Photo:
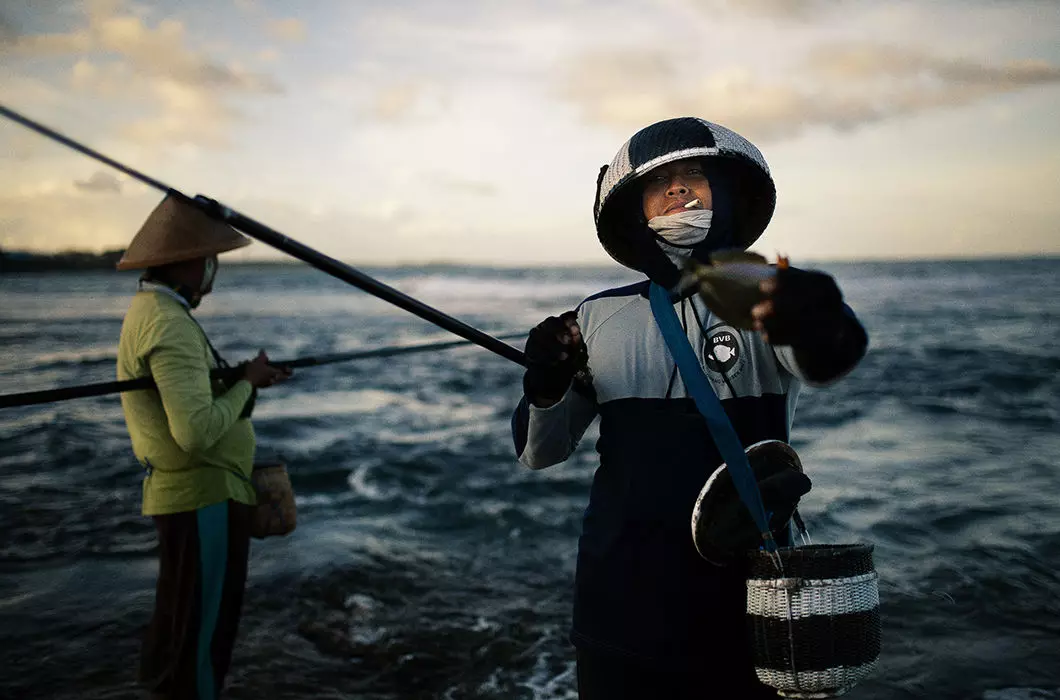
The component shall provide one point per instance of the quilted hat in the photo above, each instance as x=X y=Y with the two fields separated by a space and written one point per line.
x=175 y=231
x=617 y=209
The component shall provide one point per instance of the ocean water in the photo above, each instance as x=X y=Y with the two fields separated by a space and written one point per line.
x=428 y=564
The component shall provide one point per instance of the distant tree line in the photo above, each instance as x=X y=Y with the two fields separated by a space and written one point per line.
x=22 y=261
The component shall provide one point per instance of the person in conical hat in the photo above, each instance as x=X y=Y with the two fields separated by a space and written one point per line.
x=194 y=438
x=653 y=618
x=180 y=243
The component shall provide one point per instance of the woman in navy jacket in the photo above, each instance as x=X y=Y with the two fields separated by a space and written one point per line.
x=653 y=619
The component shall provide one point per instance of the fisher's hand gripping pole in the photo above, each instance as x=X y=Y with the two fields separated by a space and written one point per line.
x=290 y=246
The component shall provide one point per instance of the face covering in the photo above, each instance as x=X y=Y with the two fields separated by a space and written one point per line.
x=209 y=272
x=681 y=232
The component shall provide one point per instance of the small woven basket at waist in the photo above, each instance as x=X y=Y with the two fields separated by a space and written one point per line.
x=275 y=514
x=815 y=619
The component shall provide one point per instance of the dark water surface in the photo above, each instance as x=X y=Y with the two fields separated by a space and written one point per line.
x=429 y=564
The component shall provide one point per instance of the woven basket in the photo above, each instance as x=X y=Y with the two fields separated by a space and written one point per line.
x=275 y=515
x=815 y=622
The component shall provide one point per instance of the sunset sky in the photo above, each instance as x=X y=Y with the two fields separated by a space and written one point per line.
x=469 y=130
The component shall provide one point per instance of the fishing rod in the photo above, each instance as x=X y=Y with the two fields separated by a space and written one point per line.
x=32 y=398
x=288 y=245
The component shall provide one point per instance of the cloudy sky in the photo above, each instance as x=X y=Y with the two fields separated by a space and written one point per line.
x=473 y=130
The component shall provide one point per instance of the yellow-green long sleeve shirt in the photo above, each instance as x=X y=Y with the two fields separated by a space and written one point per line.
x=188 y=434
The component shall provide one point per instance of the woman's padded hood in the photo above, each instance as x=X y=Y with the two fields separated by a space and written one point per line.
x=742 y=189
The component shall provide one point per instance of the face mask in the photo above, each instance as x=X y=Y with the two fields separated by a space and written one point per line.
x=683 y=229
x=681 y=232
x=209 y=272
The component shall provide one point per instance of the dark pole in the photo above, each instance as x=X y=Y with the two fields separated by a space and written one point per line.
x=292 y=247
x=70 y=143
x=358 y=279
x=32 y=398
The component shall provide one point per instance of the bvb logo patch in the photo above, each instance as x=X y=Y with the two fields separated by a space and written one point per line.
x=723 y=351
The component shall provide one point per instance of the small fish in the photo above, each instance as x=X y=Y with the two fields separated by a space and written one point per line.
x=723 y=353
x=730 y=284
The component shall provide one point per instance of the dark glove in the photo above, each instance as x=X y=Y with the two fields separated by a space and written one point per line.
x=807 y=308
x=807 y=312
x=555 y=353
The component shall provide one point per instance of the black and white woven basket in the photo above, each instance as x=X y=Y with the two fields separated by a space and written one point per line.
x=815 y=618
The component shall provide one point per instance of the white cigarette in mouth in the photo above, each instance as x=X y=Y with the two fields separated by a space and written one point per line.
x=691 y=204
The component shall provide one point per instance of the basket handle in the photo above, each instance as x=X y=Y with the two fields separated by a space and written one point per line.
x=800 y=525
x=725 y=437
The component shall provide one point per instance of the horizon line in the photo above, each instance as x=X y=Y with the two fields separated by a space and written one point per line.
x=612 y=263
x=288 y=260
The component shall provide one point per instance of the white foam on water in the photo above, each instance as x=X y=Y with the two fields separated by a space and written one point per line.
x=468 y=288
x=362 y=401
x=545 y=684
x=323 y=500
x=361 y=601
x=359 y=483
x=87 y=354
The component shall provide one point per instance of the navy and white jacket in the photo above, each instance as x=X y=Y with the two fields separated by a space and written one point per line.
x=641 y=588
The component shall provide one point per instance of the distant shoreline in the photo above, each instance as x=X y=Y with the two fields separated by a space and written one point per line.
x=24 y=261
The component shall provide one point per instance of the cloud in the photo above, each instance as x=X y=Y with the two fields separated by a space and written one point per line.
x=186 y=94
x=159 y=51
x=291 y=30
x=99 y=182
x=8 y=32
x=393 y=102
x=20 y=147
x=866 y=62
x=25 y=90
x=54 y=216
x=476 y=188
x=184 y=115
x=840 y=86
x=779 y=9
x=814 y=10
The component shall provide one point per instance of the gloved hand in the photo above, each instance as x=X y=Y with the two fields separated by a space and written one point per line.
x=803 y=308
x=555 y=352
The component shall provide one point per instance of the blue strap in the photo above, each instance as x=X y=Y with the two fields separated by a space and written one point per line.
x=702 y=393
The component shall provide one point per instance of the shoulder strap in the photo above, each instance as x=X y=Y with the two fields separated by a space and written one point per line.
x=216 y=355
x=164 y=289
x=248 y=407
x=707 y=402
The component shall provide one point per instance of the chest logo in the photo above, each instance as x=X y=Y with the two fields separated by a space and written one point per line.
x=723 y=351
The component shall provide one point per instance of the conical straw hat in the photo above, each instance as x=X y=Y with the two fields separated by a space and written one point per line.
x=178 y=230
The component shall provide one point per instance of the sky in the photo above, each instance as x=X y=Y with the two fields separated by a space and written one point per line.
x=411 y=131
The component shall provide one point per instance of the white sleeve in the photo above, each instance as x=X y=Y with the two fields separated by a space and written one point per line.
x=548 y=436
x=785 y=355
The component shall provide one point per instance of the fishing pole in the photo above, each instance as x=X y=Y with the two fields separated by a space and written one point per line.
x=288 y=245
x=32 y=398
